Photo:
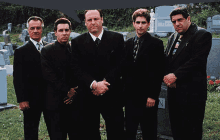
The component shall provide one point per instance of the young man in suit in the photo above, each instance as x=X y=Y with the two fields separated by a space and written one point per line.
x=95 y=56
x=187 y=51
x=143 y=67
x=30 y=87
x=61 y=99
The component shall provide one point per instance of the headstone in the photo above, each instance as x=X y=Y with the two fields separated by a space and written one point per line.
x=23 y=26
x=3 y=86
x=2 y=44
x=2 y=60
x=164 y=127
x=9 y=27
x=213 y=61
x=213 y=24
x=6 y=56
x=152 y=21
x=9 y=47
x=51 y=38
x=74 y=35
x=7 y=39
x=163 y=24
x=125 y=35
x=24 y=36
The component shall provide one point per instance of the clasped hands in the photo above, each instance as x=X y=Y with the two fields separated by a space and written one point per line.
x=99 y=88
x=70 y=95
x=170 y=80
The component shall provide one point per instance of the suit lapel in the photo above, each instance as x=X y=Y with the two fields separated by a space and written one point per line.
x=185 y=40
x=145 y=44
x=173 y=42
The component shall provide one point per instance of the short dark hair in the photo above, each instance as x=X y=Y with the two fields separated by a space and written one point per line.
x=179 y=10
x=141 y=13
x=61 y=21
x=35 y=18
x=99 y=10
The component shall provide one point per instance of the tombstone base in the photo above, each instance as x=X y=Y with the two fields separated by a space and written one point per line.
x=6 y=106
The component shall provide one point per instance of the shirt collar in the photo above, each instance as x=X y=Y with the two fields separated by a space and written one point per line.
x=94 y=37
x=35 y=42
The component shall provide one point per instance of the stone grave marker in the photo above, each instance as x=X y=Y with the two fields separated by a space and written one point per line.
x=2 y=60
x=2 y=44
x=213 y=61
x=23 y=26
x=163 y=24
x=213 y=24
x=74 y=35
x=24 y=36
x=9 y=27
x=51 y=38
x=3 y=87
x=6 y=56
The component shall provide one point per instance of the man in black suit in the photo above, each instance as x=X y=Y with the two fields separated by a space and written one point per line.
x=94 y=59
x=143 y=75
x=61 y=110
x=30 y=87
x=187 y=51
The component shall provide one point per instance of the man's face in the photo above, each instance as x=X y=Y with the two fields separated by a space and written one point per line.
x=93 y=22
x=35 y=30
x=63 y=33
x=141 y=25
x=180 y=24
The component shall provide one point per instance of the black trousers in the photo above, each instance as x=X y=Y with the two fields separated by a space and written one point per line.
x=146 y=117
x=186 y=119
x=31 y=119
x=63 y=122
x=90 y=119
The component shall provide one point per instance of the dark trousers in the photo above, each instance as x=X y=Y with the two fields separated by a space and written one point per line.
x=31 y=123
x=147 y=117
x=186 y=119
x=112 y=114
x=63 y=122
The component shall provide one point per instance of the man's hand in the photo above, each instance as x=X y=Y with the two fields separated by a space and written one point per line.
x=150 y=102
x=173 y=85
x=24 y=105
x=169 y=79
x=70 y=96
x=99 y=88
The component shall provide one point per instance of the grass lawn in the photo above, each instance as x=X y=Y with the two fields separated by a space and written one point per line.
x=11 y=121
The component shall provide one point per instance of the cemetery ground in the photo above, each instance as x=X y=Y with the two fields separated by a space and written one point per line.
x=11 y=120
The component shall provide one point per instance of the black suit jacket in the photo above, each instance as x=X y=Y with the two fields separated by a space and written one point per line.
x=55 y=59
x=28 y=80
x=90 y=62
x=189 y=64
x=143 y=77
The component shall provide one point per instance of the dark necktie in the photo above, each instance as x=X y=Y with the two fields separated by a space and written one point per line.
x=136 y=46
x=97 y=41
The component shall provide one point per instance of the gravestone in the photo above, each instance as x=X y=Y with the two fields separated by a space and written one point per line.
x=125 y=35
x=164 y=128
x=24 y=36
x=3 y=87
x=5 y=53
x=23 y=26
x=9 y=27
x=2 y=60
x=152 y=21
x=2 y=44
x=163 y=24
x=213 y=61
x=9 y=47
x=213 y=24
x=74 y=35
x=51 y=38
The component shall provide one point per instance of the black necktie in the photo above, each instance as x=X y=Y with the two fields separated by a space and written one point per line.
x=136 y=46
x=97 y=41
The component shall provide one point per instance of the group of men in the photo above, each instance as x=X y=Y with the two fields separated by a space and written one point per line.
x=99 y=73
